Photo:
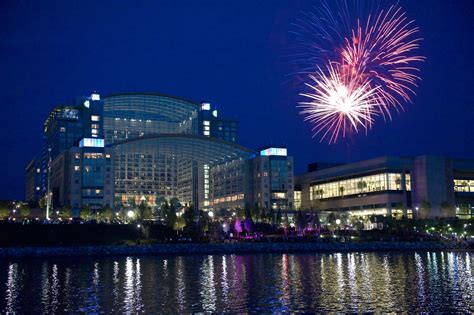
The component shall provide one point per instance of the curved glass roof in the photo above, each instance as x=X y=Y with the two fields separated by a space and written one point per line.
x=199 y=148
x=152 y=106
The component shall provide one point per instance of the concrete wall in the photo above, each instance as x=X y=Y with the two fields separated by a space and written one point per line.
x=433 y=183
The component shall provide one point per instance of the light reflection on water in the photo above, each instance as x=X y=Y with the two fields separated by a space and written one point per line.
x=350 y=282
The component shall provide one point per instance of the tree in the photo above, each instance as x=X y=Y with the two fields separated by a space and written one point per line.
x=189 y=216
x=42 y=202
x=248 y=225
x=107 y=214
x=271 y=216
x=168 y=214
x=446 y=209
x=65 y=212
x=278 y=217
x=174 y=202
x=286 y=223
x=331 y=218
x=263 y=215
x=425 y=208
x=238 y=226
x=247 y=210
x=144 y=212
x=256 y=212
x=240 y=212
x=180 y=223
x=131 y=202
x=85 y=212
x=300 y=222
x=4 y=210
x=204 y=221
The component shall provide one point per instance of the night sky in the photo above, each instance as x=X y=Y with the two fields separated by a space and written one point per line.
x=231 y=53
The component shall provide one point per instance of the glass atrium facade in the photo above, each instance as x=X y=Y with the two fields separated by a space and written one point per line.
x=169 y=166
x=164 y=147
x=360 y=185
x=130 y=116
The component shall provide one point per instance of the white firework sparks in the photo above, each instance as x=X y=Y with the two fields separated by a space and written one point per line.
x=339 y=103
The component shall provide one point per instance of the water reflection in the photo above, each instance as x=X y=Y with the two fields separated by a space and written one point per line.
x=132 y=290
x=340 y=282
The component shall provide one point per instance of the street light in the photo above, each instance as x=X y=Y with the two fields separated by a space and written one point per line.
x=211 y=214
x=338 y=221
x=130 y=214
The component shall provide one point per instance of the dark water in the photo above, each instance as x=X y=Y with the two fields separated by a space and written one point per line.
x=241 y=283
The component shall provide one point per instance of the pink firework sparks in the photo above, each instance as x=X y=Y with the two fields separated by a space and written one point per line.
x=372 y=58
x=381 y=50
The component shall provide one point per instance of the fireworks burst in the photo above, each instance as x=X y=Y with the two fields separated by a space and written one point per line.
x=338 y=103
x=369 y=67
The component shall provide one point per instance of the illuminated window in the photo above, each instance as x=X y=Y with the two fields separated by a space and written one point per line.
x=95 y=97
x=464 y=185
x=95 y=118
x=95 y=143
x=77 y=168
x=38 y=170
x=63 y=129
x=206 y=133
x=205 y=106
x=96 y=126
x=359 y=185
x=94 y=131
x=77 y=156
x=279 y=195
x=206 y=122
x=37 y=188
x=92 y=155
x=107 y=156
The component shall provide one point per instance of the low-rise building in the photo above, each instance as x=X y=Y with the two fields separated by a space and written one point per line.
x=423 y=186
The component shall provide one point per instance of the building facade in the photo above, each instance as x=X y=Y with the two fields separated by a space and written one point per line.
x=126 y=149
x=168 y=147
x=33 y=180
x=423 y=186
x=82 y=177
x=272 y=179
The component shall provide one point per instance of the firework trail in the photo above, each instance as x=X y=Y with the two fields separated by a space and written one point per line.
x=372 y=56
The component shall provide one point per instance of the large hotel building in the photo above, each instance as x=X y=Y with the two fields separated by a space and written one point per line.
x=130 y=148
x=126 y=149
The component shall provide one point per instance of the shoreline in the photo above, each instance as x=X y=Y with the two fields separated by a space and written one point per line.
x=221 y=248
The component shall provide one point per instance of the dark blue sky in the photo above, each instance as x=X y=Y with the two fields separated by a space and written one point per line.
x=228 y=52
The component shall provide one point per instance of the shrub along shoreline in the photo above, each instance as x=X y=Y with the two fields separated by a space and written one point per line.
x=226 y=248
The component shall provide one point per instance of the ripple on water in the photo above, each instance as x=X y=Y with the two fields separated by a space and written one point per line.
x=341 y=282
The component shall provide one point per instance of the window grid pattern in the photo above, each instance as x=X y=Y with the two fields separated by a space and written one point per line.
x=134 y=116
x=354 y=186
x=464 y=185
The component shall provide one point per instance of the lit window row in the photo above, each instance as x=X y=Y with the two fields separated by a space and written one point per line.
x=464 y=185
x=364 y=184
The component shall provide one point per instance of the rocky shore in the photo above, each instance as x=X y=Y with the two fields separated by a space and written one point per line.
x=220 y=248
